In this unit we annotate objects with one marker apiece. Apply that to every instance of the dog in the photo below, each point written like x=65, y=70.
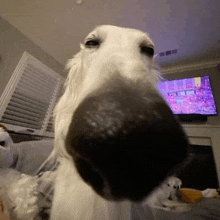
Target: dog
x=115, y=136
x=168, y=190
x=6, y=158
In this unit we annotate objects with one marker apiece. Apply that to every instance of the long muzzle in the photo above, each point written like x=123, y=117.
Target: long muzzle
x=124, y=141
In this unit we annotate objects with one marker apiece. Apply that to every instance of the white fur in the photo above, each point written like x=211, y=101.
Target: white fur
x=6, y=157
x=4, y=136
x=118, y=56
x=19, y=194
x=169, y=189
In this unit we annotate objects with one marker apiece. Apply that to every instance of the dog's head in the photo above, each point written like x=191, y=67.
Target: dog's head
x=172, y=186
x=112, y=121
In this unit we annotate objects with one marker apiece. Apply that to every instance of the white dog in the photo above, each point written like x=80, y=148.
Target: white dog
x=6, y=157
x=169, y=189
x=115, y=136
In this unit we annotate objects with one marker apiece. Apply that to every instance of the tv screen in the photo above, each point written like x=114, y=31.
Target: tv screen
x=189, y=95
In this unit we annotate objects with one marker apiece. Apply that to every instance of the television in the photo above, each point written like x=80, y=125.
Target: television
x=189, y=96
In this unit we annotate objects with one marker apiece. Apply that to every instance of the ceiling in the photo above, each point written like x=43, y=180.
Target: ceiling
x=190, y=26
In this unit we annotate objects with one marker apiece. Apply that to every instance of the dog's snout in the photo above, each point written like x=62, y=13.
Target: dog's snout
x=124, y=141
x=126, y=63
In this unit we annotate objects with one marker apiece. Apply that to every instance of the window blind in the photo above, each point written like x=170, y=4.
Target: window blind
x=50, y=125
x=30, y=97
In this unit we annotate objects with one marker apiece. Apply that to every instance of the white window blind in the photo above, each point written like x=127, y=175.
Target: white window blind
x=50, y=124
x=29, y=98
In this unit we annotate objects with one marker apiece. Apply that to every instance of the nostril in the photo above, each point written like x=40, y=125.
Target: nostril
x=89, y=173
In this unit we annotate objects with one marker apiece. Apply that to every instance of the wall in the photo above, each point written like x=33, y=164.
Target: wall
x=12, y=45
x=215, y=82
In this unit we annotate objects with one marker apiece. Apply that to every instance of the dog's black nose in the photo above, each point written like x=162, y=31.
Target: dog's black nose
x=124, y=141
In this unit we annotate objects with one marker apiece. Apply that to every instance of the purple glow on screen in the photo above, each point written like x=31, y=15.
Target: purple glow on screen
x=189, y=96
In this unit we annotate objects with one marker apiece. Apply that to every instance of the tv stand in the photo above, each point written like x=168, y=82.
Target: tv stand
x=192, y=118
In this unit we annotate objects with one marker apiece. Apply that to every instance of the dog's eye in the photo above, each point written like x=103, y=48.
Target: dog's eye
x=92, y=43
x=2, y=143
x=147, y=50
x=168, y=184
